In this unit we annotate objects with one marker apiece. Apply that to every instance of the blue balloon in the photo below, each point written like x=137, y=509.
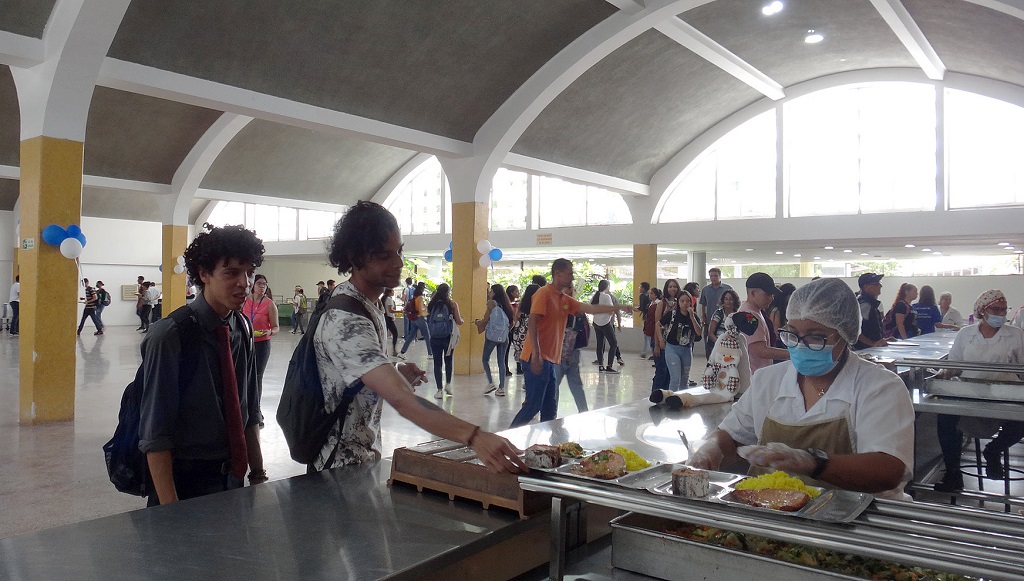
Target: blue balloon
x=74, y=230
x=81, y=238
x=495, y=254
x=449, y=246
x=54, y=235
x=448, y=255
x=160, y=268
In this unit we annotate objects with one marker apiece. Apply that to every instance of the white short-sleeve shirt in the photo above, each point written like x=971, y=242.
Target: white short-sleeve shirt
x=1006, y=346
x=349, y=346
x=874, y=400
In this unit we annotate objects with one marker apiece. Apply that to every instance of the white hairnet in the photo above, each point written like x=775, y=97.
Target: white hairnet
x=828, y=301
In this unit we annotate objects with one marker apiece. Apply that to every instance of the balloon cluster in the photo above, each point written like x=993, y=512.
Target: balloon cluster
x=180, y=267
x=70, y=241
x=489, y=253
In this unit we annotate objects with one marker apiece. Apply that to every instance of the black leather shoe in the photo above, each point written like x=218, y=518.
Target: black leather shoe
x=993, y=464
x=951, y=482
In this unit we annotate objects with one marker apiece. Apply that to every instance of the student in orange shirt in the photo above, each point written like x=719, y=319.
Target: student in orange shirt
x=542, y=350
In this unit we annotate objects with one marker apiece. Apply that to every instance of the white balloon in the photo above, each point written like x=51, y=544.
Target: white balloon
x=71, y=248
x=178, y=269
x=485, y=261
x=181, y=261
x=484, y=246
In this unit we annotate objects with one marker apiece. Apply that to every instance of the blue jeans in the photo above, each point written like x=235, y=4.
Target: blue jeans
x=570, y=370
x=648, y=346
x=439, y=346
x=678, y=359
x=661, y=377
x=541, y=395
x=420, y=326
x=502, y=366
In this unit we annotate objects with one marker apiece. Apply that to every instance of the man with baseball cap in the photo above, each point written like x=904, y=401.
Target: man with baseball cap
x=760, y=291
x=870, y=311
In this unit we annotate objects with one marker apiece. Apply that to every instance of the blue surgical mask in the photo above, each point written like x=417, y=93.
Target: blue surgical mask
x=812, y=363
x=995, y=321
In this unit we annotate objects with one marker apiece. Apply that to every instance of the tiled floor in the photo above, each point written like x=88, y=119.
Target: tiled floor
x=54, y=474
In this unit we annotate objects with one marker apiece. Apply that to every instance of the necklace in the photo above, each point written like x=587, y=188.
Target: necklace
x=821, y=391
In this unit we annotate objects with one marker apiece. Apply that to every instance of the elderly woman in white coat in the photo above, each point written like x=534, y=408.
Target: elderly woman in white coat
x=826, y=416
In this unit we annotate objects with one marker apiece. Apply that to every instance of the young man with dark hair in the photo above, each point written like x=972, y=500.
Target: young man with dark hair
x=406, y=296
x=710, y=297
x=350, y=347
x=542, y=351
x=91, y=300
x=202, y=437
x=539, y=280
x=102, y=300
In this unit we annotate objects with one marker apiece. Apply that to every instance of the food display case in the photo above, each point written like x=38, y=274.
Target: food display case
x=957, y=540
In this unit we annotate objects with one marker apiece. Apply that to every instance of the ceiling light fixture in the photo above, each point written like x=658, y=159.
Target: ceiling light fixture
x=796, y=256
x=1003, y=244
x=750, y=249
x=863, y=253
x=813, y=37
x=847, y=250
x=778, y=252
x=772, y=8
x=909, y=246
x=817, y=258
x=829, y=247
x=926, y=250
x=936, y=252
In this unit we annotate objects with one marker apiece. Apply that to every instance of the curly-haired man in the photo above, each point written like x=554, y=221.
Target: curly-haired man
x=190, y=428
x=350, y=348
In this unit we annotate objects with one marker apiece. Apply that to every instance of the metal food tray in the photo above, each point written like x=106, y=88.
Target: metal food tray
x=640, y=545
x=975, y=389
x=435, y=446
x=829, y=506
x=635, y=479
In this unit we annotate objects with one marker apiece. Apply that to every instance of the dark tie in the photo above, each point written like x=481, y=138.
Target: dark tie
x=232, y=407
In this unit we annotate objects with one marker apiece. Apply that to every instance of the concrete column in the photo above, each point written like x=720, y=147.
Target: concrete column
x=806, y=269
x=645, y=268
x=51, y=193
x=698, y=268
x=469, y=281
x=175, y=240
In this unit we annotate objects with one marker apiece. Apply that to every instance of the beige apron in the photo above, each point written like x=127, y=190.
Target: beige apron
x=832, y=436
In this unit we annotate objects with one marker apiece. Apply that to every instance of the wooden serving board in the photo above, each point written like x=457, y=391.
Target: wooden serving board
x=452, y=472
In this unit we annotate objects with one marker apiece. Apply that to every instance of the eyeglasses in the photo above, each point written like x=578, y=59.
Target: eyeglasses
x=813, y=342
x=995, y=310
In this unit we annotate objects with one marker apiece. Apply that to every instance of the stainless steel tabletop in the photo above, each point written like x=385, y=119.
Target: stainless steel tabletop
x=929, y=346
x=340, y=524
x=977, y=408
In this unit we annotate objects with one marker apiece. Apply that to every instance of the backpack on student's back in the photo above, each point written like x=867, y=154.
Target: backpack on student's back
x=409, y=310
x=582, y=331
x=497, y=326
x=301, y=413
x=127, y=466
x=439, y=322
x=303, y=304
x=104, y=297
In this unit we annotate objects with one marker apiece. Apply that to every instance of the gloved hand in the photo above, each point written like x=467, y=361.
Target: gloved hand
x=708, y=457
x=779, y=456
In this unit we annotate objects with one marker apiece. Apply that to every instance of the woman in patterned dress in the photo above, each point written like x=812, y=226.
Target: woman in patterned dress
x=519, y=334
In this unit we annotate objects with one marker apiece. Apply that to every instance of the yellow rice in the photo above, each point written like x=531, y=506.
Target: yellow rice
x=633, y=460
x=778, y=480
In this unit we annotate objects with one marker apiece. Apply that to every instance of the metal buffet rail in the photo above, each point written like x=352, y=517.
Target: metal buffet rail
x=960, y=540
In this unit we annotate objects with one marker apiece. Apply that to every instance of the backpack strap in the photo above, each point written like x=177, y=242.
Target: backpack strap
x=190, y=337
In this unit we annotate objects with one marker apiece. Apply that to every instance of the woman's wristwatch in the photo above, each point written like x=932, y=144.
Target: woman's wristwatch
x=820, y=461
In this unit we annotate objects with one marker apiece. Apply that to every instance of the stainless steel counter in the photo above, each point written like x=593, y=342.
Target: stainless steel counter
x=929, y=346
x=342, y=524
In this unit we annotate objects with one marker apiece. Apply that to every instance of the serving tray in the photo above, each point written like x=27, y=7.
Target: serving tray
x=829, y=506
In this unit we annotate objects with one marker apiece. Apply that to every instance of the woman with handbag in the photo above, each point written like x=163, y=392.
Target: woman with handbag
x=259, y=307
x=681, y=328
x=495, y=326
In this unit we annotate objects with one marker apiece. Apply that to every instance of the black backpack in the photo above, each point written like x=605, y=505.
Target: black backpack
x=126, y=464
x=301, y=415
x=103, y=296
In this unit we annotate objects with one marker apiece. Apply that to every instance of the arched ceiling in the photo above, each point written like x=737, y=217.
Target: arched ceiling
x=344, y=94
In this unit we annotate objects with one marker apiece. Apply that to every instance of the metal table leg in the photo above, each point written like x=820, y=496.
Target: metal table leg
x=556, y=568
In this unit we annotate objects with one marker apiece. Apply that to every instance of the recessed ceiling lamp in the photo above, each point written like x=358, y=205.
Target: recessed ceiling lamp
x=772, y=8
x=813, y=37
x=863, y=253
x=750, y=249
x=1003, y=244
x=936, y=252
x=829, y=247
x=796, y=256
x=909, y=246
x=847, y=250
x=1008, y=247
x=817, y=258
x=778, y=252
x=926, y=250
x=714, y=260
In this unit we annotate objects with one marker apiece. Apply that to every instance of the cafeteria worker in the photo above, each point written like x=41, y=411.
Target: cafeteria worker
x=826, y=416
